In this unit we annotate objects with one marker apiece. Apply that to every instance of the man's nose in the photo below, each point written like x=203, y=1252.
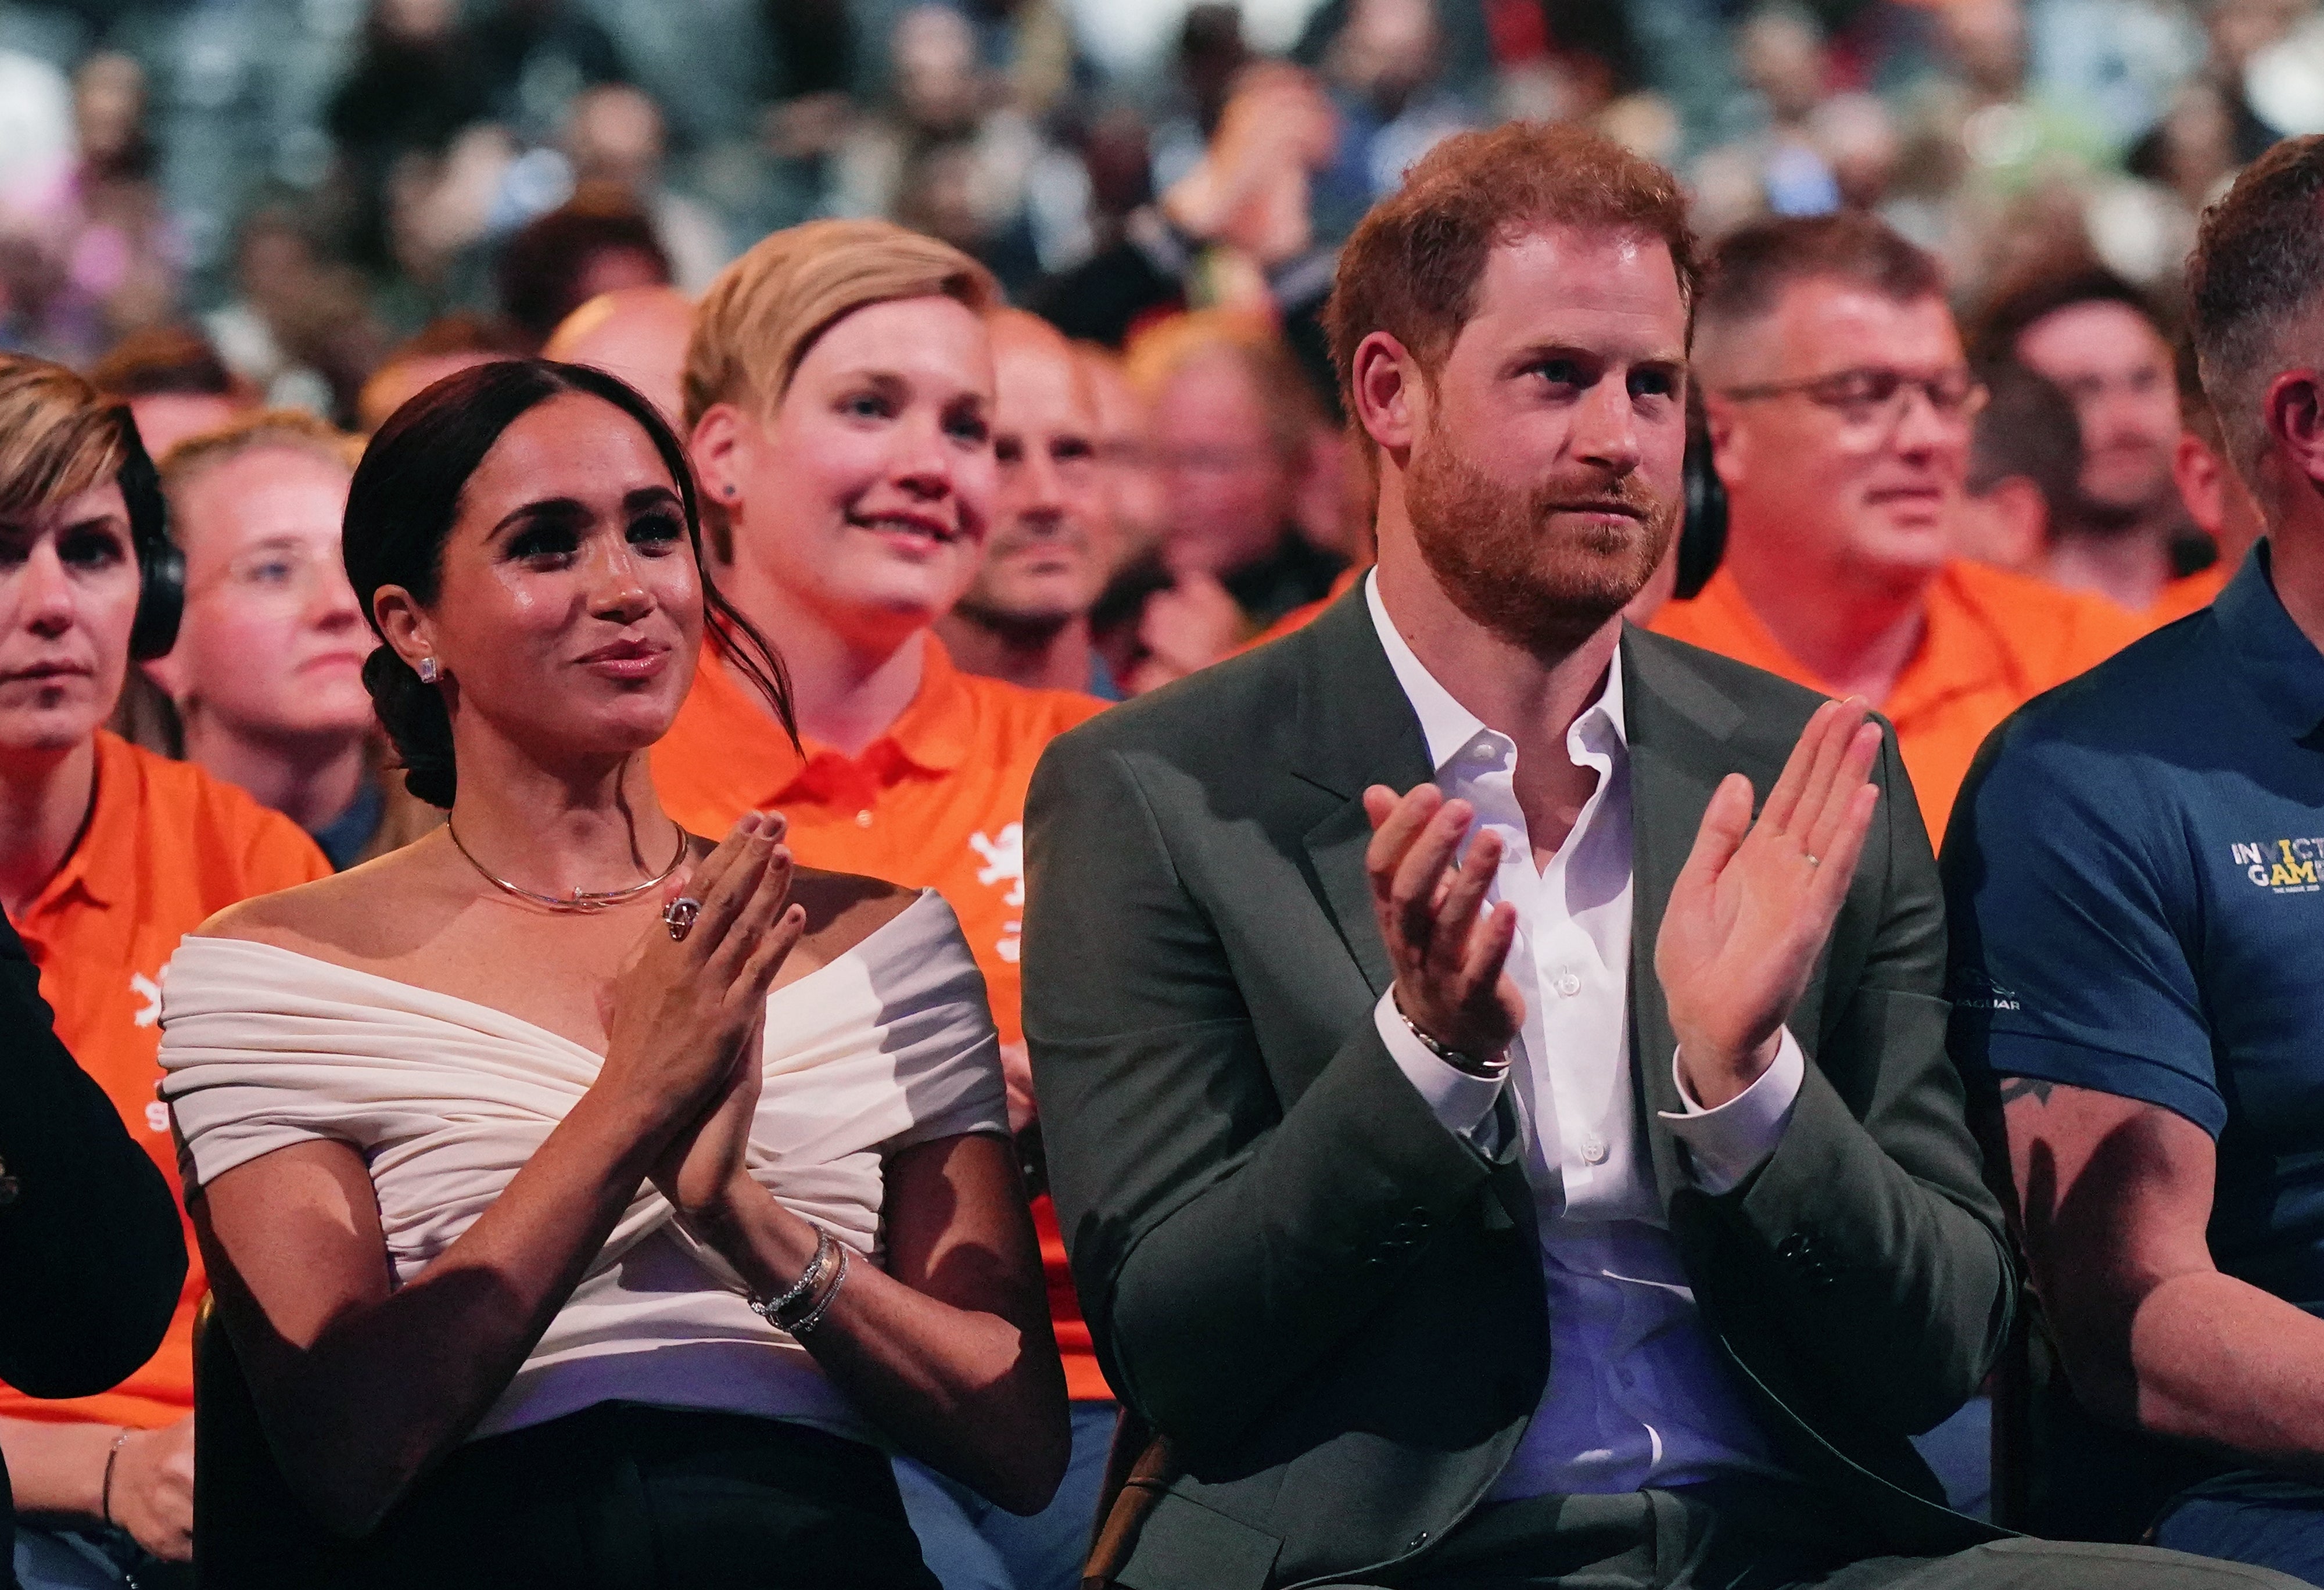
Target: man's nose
x=1606, y=427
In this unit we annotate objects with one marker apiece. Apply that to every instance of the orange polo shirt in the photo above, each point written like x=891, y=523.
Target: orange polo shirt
x=1299, y=618
x=937, y=802
x=1993, y=640
x=2191, y=594
x=167, y=846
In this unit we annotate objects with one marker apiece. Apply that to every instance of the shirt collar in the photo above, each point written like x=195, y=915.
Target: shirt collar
x=1446, y=724
x=2272, y=650
x=934, y=733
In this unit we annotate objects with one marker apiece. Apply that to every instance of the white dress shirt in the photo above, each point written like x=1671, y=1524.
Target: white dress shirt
x=1636, y=1395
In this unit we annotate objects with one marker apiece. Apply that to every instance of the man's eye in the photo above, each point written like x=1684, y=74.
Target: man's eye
x=271, y=571
x=1563, y=372
x=1653, y=383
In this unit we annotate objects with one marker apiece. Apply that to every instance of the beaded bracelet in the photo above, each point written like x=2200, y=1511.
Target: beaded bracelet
x=814, y=1316
x=771, y=1310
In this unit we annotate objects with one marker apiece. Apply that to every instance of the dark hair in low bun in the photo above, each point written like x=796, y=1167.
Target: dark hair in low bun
x=406, y=495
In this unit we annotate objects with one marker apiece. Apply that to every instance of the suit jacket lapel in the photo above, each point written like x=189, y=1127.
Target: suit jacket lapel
x=1677, y=724
x=1352, y=728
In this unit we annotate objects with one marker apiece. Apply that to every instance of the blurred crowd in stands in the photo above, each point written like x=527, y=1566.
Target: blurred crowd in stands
x=323, y=205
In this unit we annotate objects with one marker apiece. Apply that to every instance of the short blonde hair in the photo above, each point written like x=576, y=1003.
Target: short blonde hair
x=767, y=309
x=1158, y=353
x=58, y=435
x=292, y=429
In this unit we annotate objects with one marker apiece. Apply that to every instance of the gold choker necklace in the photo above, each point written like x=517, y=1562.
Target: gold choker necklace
x=580, y=899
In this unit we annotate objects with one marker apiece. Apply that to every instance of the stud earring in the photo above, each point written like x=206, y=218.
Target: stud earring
x=730, y=489
x=428, y=671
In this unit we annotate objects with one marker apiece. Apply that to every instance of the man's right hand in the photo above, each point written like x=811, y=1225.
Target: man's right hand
x=152, y=1494
x=1447, y=953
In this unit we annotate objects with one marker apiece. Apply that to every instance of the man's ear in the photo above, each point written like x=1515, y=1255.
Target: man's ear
x=1391, y=397
x=2293, y=411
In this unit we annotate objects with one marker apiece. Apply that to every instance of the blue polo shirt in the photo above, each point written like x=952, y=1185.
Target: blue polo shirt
x=2134, y=878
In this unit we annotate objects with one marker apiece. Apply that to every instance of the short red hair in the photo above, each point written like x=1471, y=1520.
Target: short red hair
x=1412, y=266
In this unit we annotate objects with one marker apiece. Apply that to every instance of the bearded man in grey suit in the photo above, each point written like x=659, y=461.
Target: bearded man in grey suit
x=1551, y=1174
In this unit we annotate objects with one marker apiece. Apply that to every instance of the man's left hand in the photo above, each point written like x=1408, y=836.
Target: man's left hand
x=1755, y=902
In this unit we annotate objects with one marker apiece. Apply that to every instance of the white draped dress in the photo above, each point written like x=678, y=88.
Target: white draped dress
x=889, y=1044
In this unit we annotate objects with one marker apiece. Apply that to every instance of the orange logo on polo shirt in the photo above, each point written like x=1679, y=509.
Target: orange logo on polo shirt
x=2282, y=866
x=1004, y=862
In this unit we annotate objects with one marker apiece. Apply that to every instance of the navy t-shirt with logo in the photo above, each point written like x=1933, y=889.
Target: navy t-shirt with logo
x=2135, y=877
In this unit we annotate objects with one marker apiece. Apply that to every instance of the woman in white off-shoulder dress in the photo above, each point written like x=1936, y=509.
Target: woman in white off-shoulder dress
x=585, y=1204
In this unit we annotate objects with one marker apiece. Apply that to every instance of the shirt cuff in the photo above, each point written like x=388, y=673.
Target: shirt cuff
x=1732, y=1141
x=1463, y=1103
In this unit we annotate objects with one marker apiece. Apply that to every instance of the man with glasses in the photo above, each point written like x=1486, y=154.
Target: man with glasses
x=1840, y=407
x=267, y=674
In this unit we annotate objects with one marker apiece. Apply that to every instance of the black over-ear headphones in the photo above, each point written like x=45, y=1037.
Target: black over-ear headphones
x=161, y=565
x=1703, y=534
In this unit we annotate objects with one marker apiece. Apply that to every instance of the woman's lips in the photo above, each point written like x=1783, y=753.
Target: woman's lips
x=628, y=659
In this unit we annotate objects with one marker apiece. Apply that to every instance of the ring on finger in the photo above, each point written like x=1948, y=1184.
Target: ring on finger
x=679, y=917
x=1814, y=860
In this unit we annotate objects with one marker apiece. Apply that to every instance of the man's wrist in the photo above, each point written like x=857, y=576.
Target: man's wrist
x=1713, y=1077
x=1491, y=1068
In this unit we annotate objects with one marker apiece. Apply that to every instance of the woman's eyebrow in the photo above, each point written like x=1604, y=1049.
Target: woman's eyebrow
x=554, y=510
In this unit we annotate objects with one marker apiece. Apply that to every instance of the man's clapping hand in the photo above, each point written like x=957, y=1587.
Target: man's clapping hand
x=1755, y=902
x=1447, y=952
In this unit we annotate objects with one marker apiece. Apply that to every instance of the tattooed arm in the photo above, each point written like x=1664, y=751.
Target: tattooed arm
x=2116, y=1195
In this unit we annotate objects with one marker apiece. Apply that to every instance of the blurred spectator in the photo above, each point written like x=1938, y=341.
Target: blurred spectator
x=1782, y=168
x=443, y=347
x=175, y=383
x=2024, y=485
x=1841, y=405
x=1384, y=69
x=535, y=55
x=636, y=333
x=1125, y=454
x=414, y=89
x=597, y=241
x=2098, y=339
x=1025, y=617
x=1234, y=232
x=2217, y=498
x=615, y=139
x=108, y=855
x=947, y=155
x=1232, y=417
x=299, y=327
x=267, y=674
x=87, y=252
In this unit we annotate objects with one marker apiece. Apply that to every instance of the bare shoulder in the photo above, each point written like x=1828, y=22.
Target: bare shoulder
x=337, y=918
x=845, y=908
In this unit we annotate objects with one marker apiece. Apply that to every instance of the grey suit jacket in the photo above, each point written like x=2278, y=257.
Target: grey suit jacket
x=1333, y=1307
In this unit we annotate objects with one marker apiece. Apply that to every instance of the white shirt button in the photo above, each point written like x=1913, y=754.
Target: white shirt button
x=1594, y=1150
x=1567, y=985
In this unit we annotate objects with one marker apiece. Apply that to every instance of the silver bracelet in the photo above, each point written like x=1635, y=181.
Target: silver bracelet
x=771, y=1310
x=815, y=1315
x=1467, y=1065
